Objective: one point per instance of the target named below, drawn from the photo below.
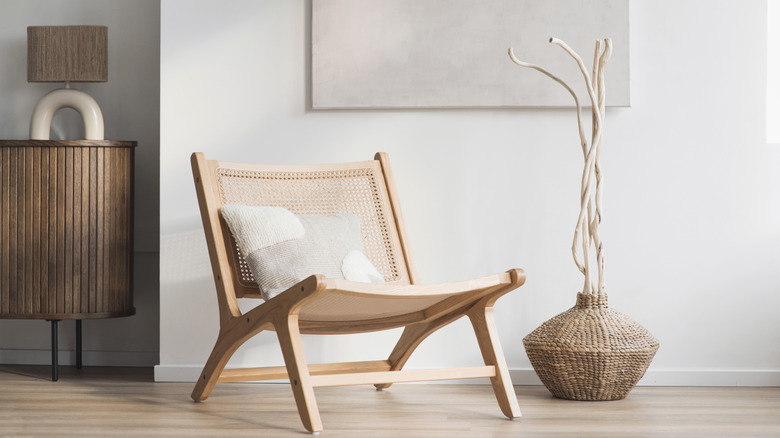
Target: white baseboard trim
(190, 373)
(711, 378)
(89, 358)
(680, 377)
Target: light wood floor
(108, 402)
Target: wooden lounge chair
(319, 305)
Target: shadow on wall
(186, 258)
(186, 290)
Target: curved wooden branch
(583, 142)
(590, 160)
(606, 54)
(586, 231)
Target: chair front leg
(227, 343)
(289, 336)
(232, 335)
(481, 317)
(220, 354)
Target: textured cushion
(282, 249)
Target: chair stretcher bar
(357, 373)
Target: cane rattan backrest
(356, 188)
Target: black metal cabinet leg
(55, 372)
(78, 344)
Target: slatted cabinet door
(66, 229)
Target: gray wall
(130, 102)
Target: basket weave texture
(590, 352)
(319, 193)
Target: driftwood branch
(586, 231)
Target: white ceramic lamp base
(40, 124)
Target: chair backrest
(365, 189)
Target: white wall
(130, 105)
(692, 199)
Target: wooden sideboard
(66, 231)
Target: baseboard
(89, 358)
(190, 373)
(711, 378)
(680, 377)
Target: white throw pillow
(282, 249)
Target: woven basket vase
(590, 352)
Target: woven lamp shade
(67, 54)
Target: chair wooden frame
(304, 309)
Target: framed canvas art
(453, 53)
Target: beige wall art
(452, 53)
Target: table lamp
(67, 54)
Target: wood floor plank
(125, 402)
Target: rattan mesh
(590, 352)
(318, 193)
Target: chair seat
(343, 301)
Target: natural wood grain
(67, 216)
(25, 303)
(221, 265)
(319, 305)
(394, 199)
(298, 372)
(273, 373)
(76, 249)
(4, 230)
(85, 229)
(487, 337)
(125, 402)
(53, 236)
(13, 219)
(100, 219)
(61, 257)
(61, 212)
(371, 378)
